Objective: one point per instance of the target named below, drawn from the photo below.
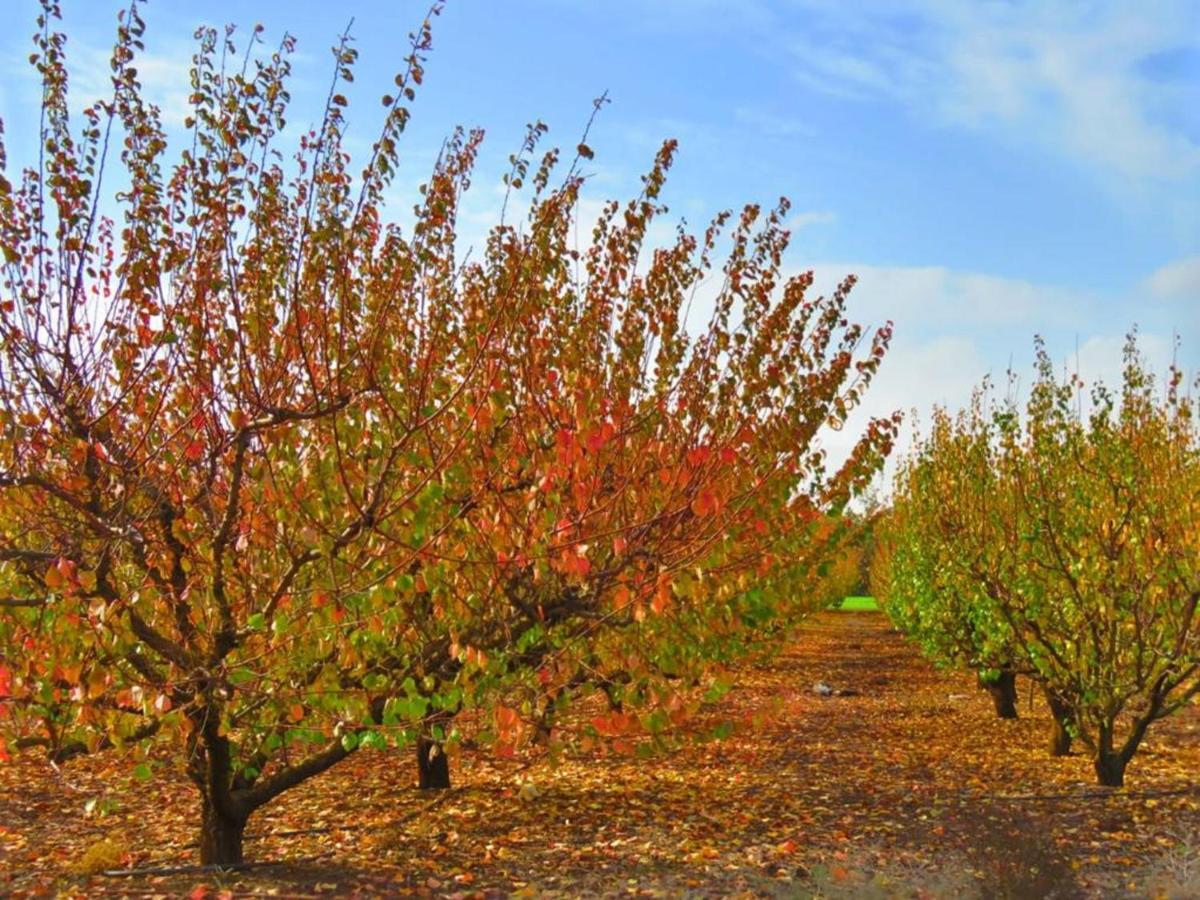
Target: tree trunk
(433, 767)
(1060, 734)
(1110, 768)
(1111, 762)
(221, 837)
(1003, 689)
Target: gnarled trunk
(1003, 688)
(1063, 715)
(227, 801)
(222, 819)
(433, 767)
(1110, 768)
(221, 837)
(1110, 761)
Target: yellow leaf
(97, 682)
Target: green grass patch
(859, 604)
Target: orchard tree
(631, 478)
(283, 481)
(1104, 509)
(942, 556)
(214, 391)
(1074, 537)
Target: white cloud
(164, 74)
(935, 298)
(1100, 357)
(798, 219)
(1178, 280)
(163, 70)
(916, 376)
(1065, 76)
(941, 348)
(954, 328)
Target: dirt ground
(910, 787)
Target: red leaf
(508, 724)
(705, 504)
(66, 568)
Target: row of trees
(282, 480)
(1061, 545)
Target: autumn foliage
(283, 480)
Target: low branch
(23, 602)
(269, 788)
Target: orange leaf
(53, 579)
(662, 598)
(621, 597)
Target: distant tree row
(1060, 543)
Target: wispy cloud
(937, 299)
(1178, 280)
(798, 219)
(772, 124)
(946, 339)
(1078, 78)
(164, 74)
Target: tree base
(221, 839)
(433, 766)
(1060, 734)
(1060, 739)
(1003, 689)
(1110, 769)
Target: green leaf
(374, 681)
(239, 676)
(371, 740)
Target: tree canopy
(283, 479)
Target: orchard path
(911, 783)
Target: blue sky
(989, 169)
